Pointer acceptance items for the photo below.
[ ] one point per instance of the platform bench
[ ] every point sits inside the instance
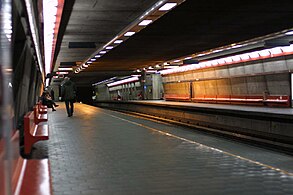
(38, 116)
(33, 132)
(178, 97)
(42, 108)
(273, 100)
(27, 176)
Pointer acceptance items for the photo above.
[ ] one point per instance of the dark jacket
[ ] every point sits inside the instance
(68, 90)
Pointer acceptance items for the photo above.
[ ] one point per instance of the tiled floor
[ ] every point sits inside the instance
(100, 151)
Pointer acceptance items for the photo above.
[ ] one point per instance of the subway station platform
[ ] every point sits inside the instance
(99, 151)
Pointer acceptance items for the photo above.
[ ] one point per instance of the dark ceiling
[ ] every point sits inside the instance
(193, 26)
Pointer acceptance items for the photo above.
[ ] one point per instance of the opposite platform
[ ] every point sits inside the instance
(99, 151)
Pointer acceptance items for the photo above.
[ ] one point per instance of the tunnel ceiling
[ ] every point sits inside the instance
(191, 27)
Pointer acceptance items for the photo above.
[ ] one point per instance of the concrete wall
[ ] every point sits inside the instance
(102, 92)
(249, 78)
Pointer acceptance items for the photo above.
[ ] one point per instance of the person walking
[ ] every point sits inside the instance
(68, 91)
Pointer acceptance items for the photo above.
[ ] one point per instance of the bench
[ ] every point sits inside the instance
(273, 100)
(205, 99)
(277, 100)
(33, 131)
(180, 97)
(42, 108)
(25, 176)
(38, 116)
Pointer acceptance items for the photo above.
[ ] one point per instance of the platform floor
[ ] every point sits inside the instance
(98, 151)
(259, 109)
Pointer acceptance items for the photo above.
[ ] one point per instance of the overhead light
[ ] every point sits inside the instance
(128, 80)
(289, 32)
(103, 52)
(129, 33)
(171, 66)
(167, 6)
(89, 62)
(276, 51)
(236, 58)
(49, 15)
(61, 72)
(93, 59)
(97, 56)
(118, 41)
(187, 58)
(109, 47)
(65, 69)
(145, 22)
(85, 65)
(176, 61)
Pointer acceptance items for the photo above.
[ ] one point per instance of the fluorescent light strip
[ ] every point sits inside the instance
(70, 69)
(103, 52)
(49, 12)
(7, 20)
(61, 72)
(128, 80)
(145, 22)
(33, 26)
(289, 33)
(118, 41)
(109, 47)
(167, 6)
(129, 33)
(97, 56)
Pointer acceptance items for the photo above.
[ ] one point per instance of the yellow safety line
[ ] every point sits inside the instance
(199, 144)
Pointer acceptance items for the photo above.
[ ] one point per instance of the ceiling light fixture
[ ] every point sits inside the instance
(70, 69)
(61, 72)
(49, 12)
(109, 47)
(167, 6)
(97, 56)
(103, 52)
(129, 33)
(289, 32)
(145, 22)
(35, 35)
(93, 59)
(118, 41)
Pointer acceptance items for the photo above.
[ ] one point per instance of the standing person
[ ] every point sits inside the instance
(68, 91)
